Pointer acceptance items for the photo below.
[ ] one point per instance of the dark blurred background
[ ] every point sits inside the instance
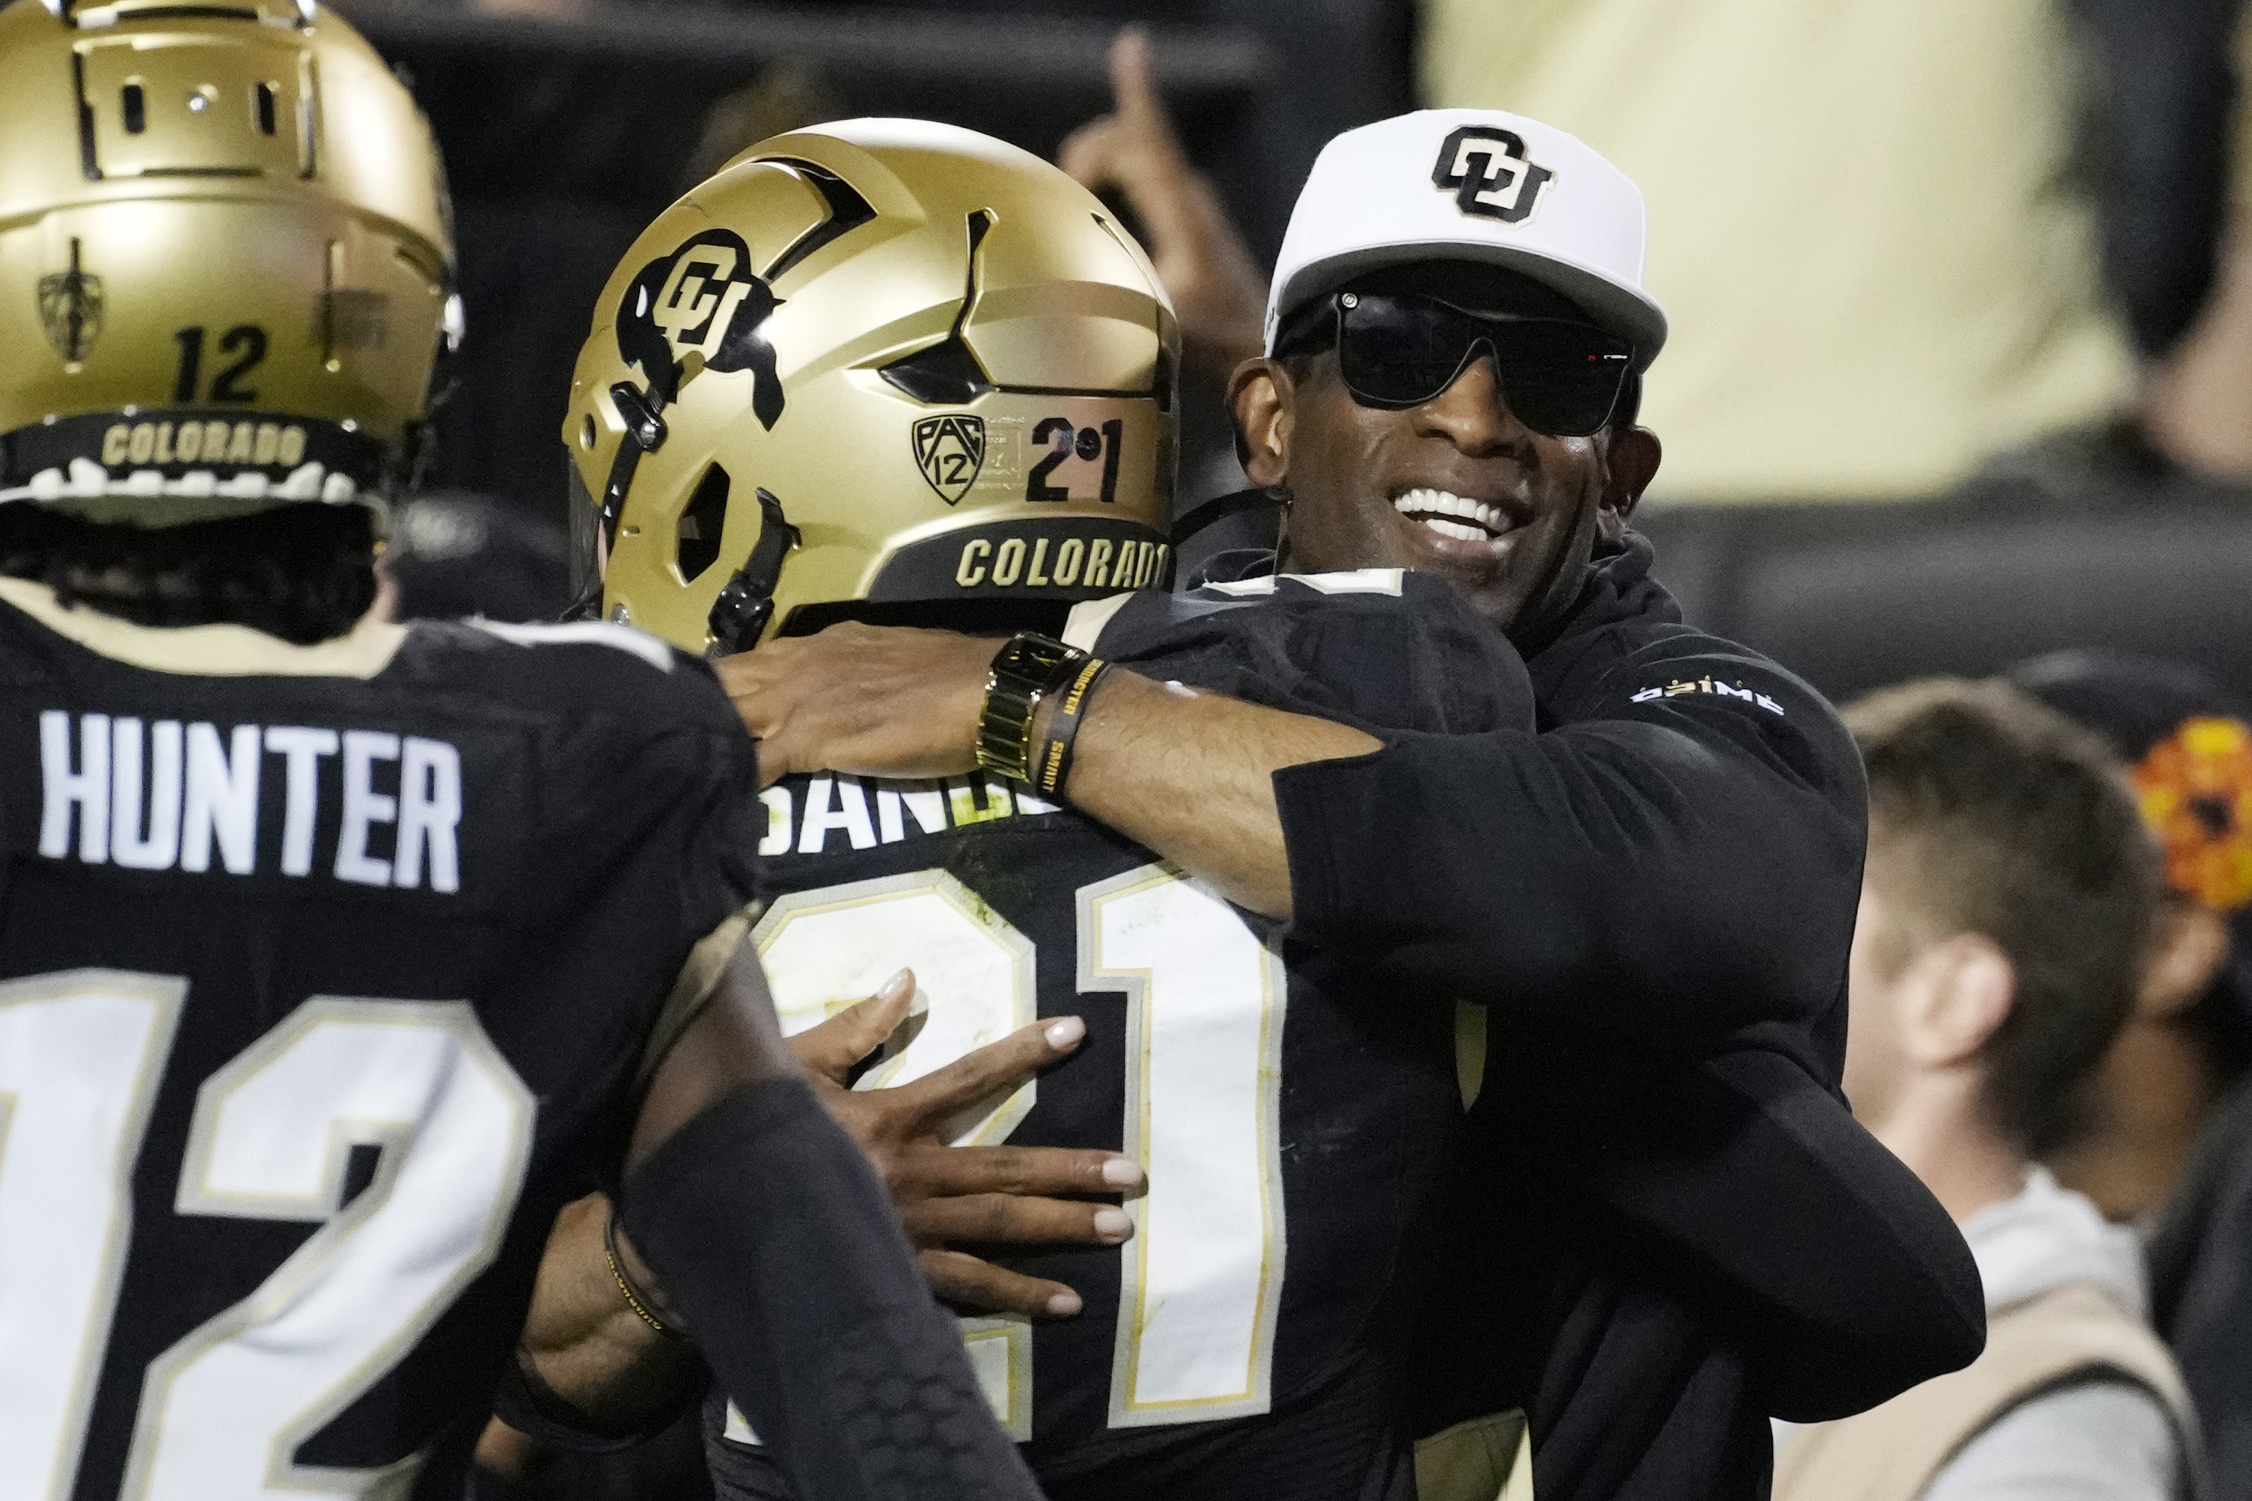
(2077, 475)
(566, 130)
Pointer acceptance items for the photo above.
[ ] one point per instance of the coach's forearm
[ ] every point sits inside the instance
(1191, 776)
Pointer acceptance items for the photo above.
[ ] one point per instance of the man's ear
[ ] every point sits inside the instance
(2193, 943)
(1963, 989)
(1630, 463)
(1259, 397)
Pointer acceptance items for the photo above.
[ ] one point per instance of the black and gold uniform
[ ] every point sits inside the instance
(327, 969)
(1292, 1123)
(324, 974)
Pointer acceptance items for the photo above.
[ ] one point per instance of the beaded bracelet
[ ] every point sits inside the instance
(633, 1295)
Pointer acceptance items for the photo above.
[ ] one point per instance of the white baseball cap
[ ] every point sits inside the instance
(1472, 185)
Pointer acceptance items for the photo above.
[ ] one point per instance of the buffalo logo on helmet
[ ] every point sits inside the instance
(70, 309)
(703, 299)
(950, 450)
(1486, 169)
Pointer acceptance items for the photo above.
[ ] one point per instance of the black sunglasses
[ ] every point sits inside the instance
(1562, 379)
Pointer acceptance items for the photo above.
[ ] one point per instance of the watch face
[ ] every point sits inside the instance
(1027, 669)
(1032, 657)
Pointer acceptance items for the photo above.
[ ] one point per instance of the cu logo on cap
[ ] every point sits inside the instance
(1486, 170)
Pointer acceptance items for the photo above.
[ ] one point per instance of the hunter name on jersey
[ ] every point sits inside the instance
(170, 795)
(318, 965)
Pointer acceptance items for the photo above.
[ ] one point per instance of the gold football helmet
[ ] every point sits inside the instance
(226, 260)
(882, 360)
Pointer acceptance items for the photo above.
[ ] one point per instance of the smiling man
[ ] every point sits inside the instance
(1420, 401)
(1652, 894)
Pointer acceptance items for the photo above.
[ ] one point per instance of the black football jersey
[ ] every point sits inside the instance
(324, 975)
(1290, 1124)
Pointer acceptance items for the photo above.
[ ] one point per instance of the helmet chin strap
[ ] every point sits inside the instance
(740, 614)
(645, 433)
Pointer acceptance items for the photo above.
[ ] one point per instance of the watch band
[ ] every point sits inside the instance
(1025, 670)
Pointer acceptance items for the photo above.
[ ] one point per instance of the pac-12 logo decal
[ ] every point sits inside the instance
(951, 450)
(1486, 169)
(703, 299)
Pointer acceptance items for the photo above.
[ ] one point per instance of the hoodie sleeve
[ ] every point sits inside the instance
(1675, 855)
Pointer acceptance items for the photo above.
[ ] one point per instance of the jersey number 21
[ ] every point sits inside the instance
(1202, 1277)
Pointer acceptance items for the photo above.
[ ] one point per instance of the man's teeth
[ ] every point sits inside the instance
(1431, 505)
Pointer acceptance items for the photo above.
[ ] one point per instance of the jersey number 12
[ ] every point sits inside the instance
(223, 1411)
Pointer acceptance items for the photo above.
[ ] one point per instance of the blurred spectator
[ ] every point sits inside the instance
(1133, 158)
(2190, 1036)
(1899, 238)
(1218, 291)
(1881, 228)
(2199, 402)
(2006, 913)
(2175, 1114)
(551, 10)
(788, 95)
(453, 554)
(2201, 1288)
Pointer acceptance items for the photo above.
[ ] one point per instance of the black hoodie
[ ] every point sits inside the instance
(1654, 895)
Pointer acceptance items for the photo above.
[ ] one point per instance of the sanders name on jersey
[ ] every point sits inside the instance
(168, 795)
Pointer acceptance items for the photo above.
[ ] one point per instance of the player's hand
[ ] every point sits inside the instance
(871, 700)
(953, 1196)
(1198, 254)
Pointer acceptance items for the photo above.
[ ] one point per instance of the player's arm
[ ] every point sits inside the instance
(606, 1368)
(594, 1372)
(770, 1235)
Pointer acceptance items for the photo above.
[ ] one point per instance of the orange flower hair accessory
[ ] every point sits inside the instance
(2195, 788)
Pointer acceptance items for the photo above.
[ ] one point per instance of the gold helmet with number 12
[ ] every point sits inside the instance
(226, 260)
(875, 363)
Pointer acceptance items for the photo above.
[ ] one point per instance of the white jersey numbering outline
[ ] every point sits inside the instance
(223, 1411)
(1201, 1281)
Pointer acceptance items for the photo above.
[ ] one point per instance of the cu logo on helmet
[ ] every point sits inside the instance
(1486, 170)
(696, 306)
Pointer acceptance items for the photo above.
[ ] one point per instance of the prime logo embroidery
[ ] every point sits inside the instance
(1710, 685)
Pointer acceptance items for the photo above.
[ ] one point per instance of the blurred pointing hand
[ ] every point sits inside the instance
(1208, 271)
